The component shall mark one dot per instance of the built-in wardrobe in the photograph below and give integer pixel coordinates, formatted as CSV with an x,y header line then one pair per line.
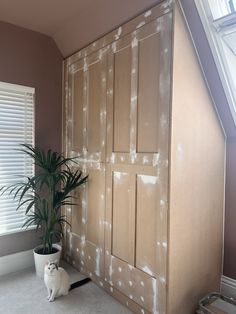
x,y
148,225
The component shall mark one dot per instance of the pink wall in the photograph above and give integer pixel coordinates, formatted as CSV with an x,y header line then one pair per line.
x,y
32,59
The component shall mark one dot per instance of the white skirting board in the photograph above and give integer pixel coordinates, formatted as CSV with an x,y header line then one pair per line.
x,y
228,287
15,262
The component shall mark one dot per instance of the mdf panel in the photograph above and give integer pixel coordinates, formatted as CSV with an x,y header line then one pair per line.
x,y
86,118
77,213
94,107
134,283
122,86
124,209
146,204
77,98
196,185
123,221
126,100
87,107
137,176
148,226
95,192
148,94
85,240
138,65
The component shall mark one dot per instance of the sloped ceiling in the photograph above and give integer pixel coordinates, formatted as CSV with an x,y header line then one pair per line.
x,y
71,23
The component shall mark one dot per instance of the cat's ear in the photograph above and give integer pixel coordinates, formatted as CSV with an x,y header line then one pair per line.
x,y
56,264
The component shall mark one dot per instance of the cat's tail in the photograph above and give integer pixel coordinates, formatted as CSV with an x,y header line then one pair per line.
x,y
79,283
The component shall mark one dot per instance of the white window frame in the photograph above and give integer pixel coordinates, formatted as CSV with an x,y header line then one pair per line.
x,y
216,41
27,98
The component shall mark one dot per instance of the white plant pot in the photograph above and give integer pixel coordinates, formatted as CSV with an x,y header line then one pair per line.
x,y
41,260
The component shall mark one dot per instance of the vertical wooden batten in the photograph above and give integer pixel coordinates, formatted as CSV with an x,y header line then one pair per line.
x,y
138,117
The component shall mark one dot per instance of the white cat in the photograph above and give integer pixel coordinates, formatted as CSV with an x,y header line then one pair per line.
x,y
56,280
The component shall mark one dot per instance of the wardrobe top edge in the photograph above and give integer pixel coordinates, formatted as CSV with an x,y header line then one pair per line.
x,y
134,24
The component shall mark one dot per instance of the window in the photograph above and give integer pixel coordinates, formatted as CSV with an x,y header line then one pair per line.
x,y
219,20
16,127
221,8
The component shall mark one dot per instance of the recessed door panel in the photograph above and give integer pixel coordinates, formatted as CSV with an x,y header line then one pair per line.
x,y
77,95
94,107
95,201
123,221
122,85
148,92
146,203
77,213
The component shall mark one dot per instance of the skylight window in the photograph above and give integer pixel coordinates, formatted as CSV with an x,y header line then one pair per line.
x,y
220,8
219,21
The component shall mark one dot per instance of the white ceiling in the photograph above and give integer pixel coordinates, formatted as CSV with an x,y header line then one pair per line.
x,y
71,23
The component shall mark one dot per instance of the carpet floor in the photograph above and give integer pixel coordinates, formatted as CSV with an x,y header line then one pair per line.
x,y
24,293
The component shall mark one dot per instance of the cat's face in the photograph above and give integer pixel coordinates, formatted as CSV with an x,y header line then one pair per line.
x,y
50,268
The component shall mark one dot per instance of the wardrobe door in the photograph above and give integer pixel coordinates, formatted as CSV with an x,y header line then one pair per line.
x,y
86,132
137,164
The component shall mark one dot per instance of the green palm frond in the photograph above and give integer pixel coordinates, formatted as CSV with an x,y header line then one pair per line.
x,y
43,194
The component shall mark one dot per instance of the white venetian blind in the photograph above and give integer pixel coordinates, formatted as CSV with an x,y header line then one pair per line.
x,y
16,127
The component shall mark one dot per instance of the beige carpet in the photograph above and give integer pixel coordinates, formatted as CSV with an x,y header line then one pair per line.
x,y
23,293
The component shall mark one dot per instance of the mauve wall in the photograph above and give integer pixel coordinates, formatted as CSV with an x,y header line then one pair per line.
x,y
230,212
32,59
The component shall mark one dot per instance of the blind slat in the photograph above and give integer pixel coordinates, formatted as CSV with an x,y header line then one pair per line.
x,y
16,127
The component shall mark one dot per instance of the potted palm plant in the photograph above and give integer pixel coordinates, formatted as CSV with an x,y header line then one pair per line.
x,y
42,196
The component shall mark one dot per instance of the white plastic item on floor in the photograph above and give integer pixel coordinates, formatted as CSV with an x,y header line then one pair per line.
x,y
41,260
216,303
